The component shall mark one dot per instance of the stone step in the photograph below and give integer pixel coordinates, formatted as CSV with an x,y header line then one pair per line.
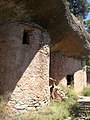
x,y
84,109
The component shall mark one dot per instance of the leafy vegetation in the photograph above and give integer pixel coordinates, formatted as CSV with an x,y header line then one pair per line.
x,y
59,110
87,116
79,7
86,91
87,25
56,110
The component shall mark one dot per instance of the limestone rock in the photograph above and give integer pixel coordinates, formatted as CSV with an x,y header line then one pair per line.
x,y
67,33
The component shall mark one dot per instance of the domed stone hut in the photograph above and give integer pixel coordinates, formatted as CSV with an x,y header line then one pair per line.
x,y
40,40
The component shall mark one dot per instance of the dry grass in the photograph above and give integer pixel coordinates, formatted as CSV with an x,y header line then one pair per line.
x,y
56,110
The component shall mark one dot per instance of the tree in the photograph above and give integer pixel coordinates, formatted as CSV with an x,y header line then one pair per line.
x,y
87,25
79,7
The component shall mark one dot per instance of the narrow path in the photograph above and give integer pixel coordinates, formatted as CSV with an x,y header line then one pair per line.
x,y
84,108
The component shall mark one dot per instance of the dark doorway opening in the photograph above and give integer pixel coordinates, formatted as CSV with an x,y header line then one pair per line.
x,y
70,80
25,38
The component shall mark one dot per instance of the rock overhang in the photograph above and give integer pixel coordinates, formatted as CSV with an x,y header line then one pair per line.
x,y
67,33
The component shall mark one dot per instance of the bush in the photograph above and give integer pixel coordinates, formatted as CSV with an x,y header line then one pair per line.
x,y
86,91
57,109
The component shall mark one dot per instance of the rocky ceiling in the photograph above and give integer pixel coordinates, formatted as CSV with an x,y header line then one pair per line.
x,y
67,33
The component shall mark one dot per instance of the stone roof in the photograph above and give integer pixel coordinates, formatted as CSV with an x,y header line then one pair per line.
x,y
67,33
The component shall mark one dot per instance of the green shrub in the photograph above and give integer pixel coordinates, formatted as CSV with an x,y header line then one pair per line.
x,y
88,115
57,109
86,91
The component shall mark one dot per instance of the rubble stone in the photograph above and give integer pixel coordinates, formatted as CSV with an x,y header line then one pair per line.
x,y
24,67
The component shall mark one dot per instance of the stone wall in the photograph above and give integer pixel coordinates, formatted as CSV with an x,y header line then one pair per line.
x,y
88,77
61,66
24,67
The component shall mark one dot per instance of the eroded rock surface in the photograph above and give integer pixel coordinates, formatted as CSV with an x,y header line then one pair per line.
x,y
67,33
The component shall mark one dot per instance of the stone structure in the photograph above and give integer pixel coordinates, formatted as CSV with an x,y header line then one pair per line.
x,y
24,65
68,71
67,33
25,50
88,77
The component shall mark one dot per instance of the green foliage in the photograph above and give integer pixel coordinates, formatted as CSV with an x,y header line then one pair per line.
x,y
54,111
87,115
57,109
86,91
79,7
88,62
74,111
87,25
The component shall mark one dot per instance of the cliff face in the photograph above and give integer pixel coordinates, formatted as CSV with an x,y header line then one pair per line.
x,y
25,31
67,33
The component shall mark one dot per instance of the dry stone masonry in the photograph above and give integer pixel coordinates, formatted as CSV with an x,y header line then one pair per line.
x,y
24,65
68,71
25,51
